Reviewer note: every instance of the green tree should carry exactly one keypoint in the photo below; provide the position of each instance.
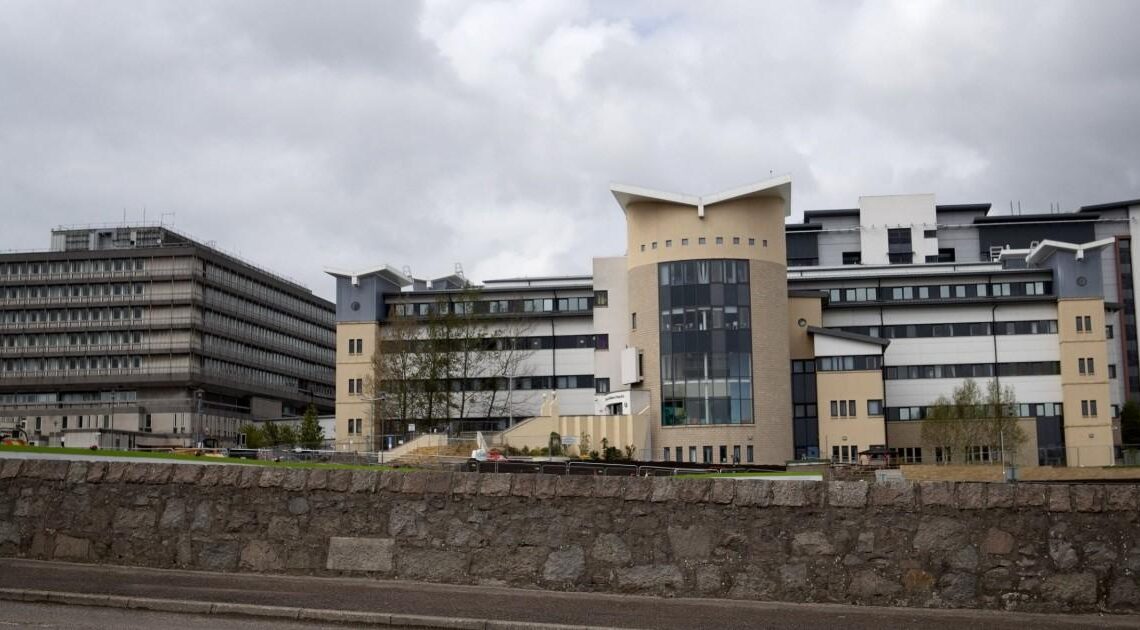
(1130, 423)
(254, 436)
(554, 444)
(288, 435)
(271, 433)
(970, 418)
(311, 435)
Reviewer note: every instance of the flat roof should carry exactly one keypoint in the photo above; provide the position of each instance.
(1112, 205)
(777, 186)
(1035, 218)
(849, 336)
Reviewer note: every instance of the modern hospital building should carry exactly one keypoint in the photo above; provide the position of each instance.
(725, 334)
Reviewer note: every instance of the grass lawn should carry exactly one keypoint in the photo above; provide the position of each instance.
(729, 473)
(197, 458)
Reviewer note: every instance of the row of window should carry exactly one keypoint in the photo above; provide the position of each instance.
(848, 408)
(70, 315)
(677, 454)
(706, 410)
(268, 293)
(849, 363)
(52, 364)
(356, 426)
(1022, 410)
(702, 240)
(681, 319)
(956, 329)
(356, 346)
(261, 356)
(71, 339)
(495, 344)
(68, 397)
(494, 307)
(697, 272)
(74, 290)
(972, 370)
(260, 334)
(242, 305)
(227, 369)
(939, 292)
(71, 266)
(499, 384)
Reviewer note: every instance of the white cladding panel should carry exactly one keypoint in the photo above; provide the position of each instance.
(832, 347)
(1018, 348)
(833, 244)
(574, 361)
(878, 214)
(921, 392)
(611, 276)
(629, 372)
(940, 351)
(834, 318)
(927, 315)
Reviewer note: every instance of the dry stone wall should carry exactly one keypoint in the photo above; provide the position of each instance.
(1026, 547)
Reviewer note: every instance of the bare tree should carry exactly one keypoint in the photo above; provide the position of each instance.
(971, 418)
(393, 383)
(507, 361)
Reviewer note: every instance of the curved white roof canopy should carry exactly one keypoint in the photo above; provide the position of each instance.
(387, 272)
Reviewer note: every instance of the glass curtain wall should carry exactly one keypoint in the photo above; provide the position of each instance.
(706, 342)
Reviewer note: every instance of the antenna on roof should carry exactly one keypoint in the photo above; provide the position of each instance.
(1019, 206)
(459, 269)
(407, 269)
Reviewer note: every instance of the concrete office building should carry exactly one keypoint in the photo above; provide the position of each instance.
(744, 339)
(132, 336)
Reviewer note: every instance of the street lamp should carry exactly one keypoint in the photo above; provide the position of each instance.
(198, 394)
(372, 413)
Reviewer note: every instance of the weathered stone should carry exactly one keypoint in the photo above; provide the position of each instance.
(894, 495)
(576, 486)
(463, 484)
(753, 492)
(211, 476)
(693, 490)
(723, 491)
(751, 586)
(1123, 593)
(812, 543)
(298, 506)
(1001, 495)
(95, 472)
(77, 472)
(690, 543)
(917, 581)
(1099, 556)
(10, 468)
(284, 528)
(610, 549)
(271, 478)
(1120, 498)
(259, 555)
(847, 494)
(708, 580)
(636, 488)
(1030, 495)
(495, 484)
(794, 576)
(972, 496)
(997, 542)
(318, 479)
(295, 479)
(608, 487)
(937, 493)
(430, 482)
(128, 520)
(564, 565)
(958, 588)
(865, 543)
(218, 556)
(654, 578)
(231, 476)
(159, 473)
(339, 480)
(520, 565)
(1062, 553)
(793, 493)
(201, 519)
(432, 565)
(938, 534)
(997, 579)
(360, 554)
(364, 481)
(867, 584)
(115, 472)
(1071, 588)
(174, 515)
(186, 474)
(523, 486)
(664, 489)
(546, 486)
(1059, 498)
(69, 548)
(1088, 498)
(406, 520)
(964, 559)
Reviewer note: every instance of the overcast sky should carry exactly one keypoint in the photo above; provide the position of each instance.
(304, 135)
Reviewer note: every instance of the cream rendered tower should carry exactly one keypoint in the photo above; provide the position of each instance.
(708, 320)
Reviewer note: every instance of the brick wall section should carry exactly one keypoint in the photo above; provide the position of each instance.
(1036, 547)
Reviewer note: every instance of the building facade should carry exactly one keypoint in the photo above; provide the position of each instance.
(140, 336)
(756, 341)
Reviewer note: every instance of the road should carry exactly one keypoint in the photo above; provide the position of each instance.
(95, 457)
(495, 603)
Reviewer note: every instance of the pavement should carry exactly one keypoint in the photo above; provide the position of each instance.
(50, 587)
(94, 457)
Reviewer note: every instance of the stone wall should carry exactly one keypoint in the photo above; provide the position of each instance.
(1026, 547)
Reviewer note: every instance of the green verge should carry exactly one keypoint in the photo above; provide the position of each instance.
(197, 458)
(728, 474)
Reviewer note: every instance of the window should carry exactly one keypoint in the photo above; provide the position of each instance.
(643, 247)
(692, 454)
(930, 233)
(1108, 332)
(1081, 365)
(1084, 323)
(909, 455)
(852, 258)
(601, 298)
(356, 386)
(668, 242)
(602, 385)
(355, 346)
(751, 243)
(843, 409)
(748, 453)
(684, 242)
(677, 453)
(736, 241)
(902, 258)
(706, 452)
(723, 454)
(874, 407)
(653, 245)
(146, 427)
(1088, 408)
(765, 242)
(898, 237)
(665, 454)
(720, 240)
(1111, 370)
(701, 240)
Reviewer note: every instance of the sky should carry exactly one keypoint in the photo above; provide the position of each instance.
(306, 135)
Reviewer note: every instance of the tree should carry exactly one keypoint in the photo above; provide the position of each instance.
(254, 436)
(971, 418)
(1130, 423)
(311, 435)
(271, 433)
(288, 435)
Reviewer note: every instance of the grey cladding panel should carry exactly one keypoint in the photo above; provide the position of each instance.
(1074, 278)
(1021, 235)
(363, 303)
(802, 245)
